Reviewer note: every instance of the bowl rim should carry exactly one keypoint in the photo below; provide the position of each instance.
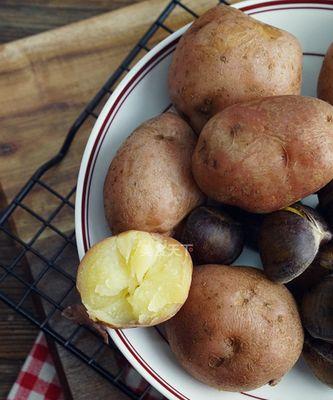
(113, 105)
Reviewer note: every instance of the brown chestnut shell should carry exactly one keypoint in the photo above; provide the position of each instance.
(317, 310)
(213, 236)
(321, 267)
(289, 241)
(319, 357)
(251, 224)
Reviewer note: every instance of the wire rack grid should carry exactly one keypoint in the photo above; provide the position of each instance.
(34, 269)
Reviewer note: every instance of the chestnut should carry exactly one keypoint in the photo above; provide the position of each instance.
(317, 310)
(325, 256)
(213, 236)
(251, 224)
(289, 241)
(319, 357)
(321, 267)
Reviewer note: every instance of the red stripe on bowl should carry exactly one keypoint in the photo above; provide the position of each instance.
(283, 2)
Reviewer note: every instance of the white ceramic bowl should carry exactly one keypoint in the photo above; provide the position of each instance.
(141, 95)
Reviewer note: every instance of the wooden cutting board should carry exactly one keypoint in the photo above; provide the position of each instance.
(45, 80)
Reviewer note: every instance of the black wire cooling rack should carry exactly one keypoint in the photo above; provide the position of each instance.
(48, 281)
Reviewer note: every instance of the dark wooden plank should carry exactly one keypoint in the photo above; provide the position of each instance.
(17, 335)
(21, 18)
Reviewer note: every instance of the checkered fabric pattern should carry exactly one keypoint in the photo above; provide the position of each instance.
(38, 379)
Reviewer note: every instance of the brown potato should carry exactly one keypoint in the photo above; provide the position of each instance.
(149, 185)
(325, 81)
(237, 330)
(266, 154)
(134, 279)
(227, 57)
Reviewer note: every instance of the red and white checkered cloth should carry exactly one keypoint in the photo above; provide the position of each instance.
(38, 379)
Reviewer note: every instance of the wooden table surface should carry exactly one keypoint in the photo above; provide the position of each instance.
(21, 18)
(18, 19)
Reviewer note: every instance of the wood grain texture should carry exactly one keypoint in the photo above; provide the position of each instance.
(75, 368)
(16, 333)
(21, 18)
(45, 80)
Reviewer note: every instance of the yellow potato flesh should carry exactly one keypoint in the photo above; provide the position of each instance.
(135, 278)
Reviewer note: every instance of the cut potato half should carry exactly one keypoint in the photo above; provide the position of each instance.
(134, 279)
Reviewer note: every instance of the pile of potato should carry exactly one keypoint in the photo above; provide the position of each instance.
(229, 168)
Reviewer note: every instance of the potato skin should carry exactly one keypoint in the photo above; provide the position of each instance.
(237, 330)
(149, 185)
(266, 154)
(325, 81)
(227, 57)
